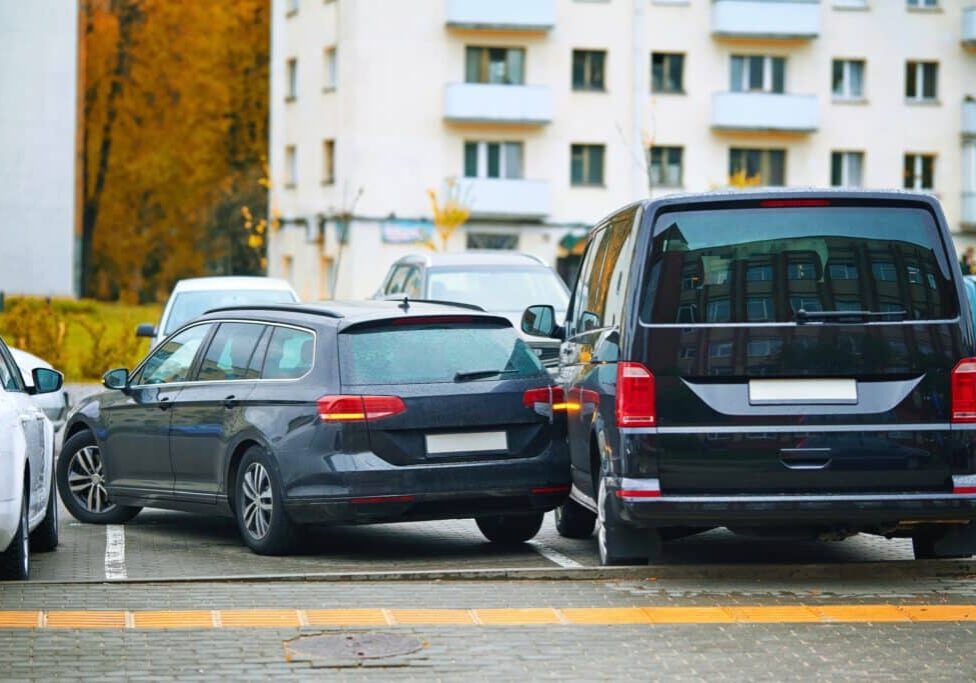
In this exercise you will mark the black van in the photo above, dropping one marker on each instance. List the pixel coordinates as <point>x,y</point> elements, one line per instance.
<point>792,363</point>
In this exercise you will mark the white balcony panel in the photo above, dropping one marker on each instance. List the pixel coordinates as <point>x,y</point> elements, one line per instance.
<point>507,197</point>
<point>765,111</point>
<point>969,209</point>
<point>502,15</point>
<point>969,26</point>
<point>783,19</point>
<point>489,103</point>
<point>969,117</point>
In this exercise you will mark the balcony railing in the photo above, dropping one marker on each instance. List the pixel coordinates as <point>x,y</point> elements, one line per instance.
<point>765,112</point>
<point>490,103</point>
<point>969,26</point>
<point>507,197</point>
<point>777,19</point>
<point>502,15</point>
<point>969,117</point>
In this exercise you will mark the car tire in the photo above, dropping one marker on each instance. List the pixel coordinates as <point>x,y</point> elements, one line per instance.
<point>573,520</point>
<point>259,505</point>
<point>621,544</point>
<point>44,539</point>
<point>80,477</point>
<point>15,560</point>
<point>945,542</point>
<point>510,529</point>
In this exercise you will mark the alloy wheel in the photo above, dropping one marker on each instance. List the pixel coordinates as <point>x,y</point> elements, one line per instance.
<point>258,501</point>
<point>86,478</point>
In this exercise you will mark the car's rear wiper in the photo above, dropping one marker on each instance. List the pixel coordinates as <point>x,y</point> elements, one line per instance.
<point>480,374</point>
<point>804,316</point>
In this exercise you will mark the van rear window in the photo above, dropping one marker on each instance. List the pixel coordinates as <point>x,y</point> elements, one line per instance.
<point>436,352</point>
<point>765,265</point>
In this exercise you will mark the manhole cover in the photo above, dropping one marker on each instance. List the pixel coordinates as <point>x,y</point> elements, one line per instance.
<point>349,649</point>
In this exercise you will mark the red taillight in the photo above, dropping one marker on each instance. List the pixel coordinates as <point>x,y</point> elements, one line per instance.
<point>963,401</point>
<point>433,320</point>
<point>637,493</point>
<point>964,490</point>
<point>636,406</point>
<point>789,203</point>
<point>545,399</point>
<point>359,408</point>
<point>547,490</point>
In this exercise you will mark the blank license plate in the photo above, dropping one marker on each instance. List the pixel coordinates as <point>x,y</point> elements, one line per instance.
<point>800,391</point>
<point>469,442</point>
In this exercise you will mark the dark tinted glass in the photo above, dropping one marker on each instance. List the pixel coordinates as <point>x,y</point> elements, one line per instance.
<point>290,353</point>
<point>763,265</point>
<point>229,354</point>
<point>416,354</point>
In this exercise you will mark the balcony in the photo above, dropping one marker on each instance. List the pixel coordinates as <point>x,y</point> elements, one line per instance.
<point>969,27</point>
<point>969,117</point>
<point>776,19</point>
<point>490,103</point>
<point>502,15</point>
<point>757,111</point>
<point>968,216</point>
<point>507,197</point>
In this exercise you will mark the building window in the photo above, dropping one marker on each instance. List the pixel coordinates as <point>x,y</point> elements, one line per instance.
<point>665,166</point>
<point>328,162</point>
<point>291,166</point>
<point>919,171</point>
<point>329,69</point>
<point>492,240</point>
<point>845,169</point>
<point>769,165</point>
<point>667,72</point>
<point>586,164</point>
<point>923,3</point>
<point>499,65</point>
<point>921,80</point>
<point>758,73</point>
<point>848,79</point>
<point>292,79</point>
<point>493,159</point>
<point>293,7</point>
<point>851,4</point>
<point>588,66</point>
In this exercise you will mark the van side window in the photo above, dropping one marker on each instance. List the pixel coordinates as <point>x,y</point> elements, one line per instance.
<point>581,297</point>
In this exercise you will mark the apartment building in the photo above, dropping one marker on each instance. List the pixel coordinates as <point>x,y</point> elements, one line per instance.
<point>544,115</point>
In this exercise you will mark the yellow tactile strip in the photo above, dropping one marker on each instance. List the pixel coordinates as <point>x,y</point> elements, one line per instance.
<point>530,616</point>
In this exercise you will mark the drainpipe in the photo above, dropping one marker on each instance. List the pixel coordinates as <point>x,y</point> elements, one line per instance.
<point>641,60</point>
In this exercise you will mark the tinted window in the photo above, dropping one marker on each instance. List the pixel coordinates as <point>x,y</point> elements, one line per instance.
<point>173,360</point>
<point>290,353</point>
<point>9,373</point>
<point>189,305</point>
<point>436,352</point>
<point>764,265</point>
<point>229,354</point>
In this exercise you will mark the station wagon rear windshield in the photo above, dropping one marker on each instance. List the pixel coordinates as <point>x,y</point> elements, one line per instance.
<point>397,353</point>
<point>765,265</point>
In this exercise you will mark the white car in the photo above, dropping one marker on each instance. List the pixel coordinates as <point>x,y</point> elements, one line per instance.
<point>28,504</point>
<point>196,296</point>
<point>55,403</point>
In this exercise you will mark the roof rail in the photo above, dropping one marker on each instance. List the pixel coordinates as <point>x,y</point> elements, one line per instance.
<point>436,302</point>
<point>313,310</point>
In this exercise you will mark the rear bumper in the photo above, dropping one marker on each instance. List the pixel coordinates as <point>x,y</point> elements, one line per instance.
<point>649,507</point>
<point>362,488</point>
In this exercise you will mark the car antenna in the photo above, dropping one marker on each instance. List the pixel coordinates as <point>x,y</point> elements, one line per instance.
<point>405,305</point>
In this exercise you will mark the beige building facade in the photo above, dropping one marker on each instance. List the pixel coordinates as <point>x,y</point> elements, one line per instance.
<point>544,115</point>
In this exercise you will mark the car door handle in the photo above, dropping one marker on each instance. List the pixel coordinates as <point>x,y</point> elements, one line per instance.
<point>230,401</point>
<point>164,403</point>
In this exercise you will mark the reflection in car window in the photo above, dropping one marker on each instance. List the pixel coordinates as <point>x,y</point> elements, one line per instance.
<point>289,355</point>
<point>9,375</point>
<point>497,289</point>
<point>188,305</point>
<point>173,360</point>
<point>229,354</point>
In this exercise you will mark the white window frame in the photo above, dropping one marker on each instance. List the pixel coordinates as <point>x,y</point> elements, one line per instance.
<point>969,166</point>
<point>917,173</point>
<point>767,84</point>
<point>918,95</point>
<point>291,166</point>
<point>922,4</point>
<point>846,158</point>
<point>482,163</point>
<point>330,69</point>
<point>291,79</point>
<point>846,80</point>
<point>851,4</point>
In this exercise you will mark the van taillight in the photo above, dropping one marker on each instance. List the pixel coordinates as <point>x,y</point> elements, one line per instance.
<point>963,402</point>
<point>544,400</point>
<point>359,408</point>
<point>636,405</point>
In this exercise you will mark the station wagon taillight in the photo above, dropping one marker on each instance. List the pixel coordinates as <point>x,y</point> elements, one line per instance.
<point>636,404</point>
<point>545,400</point>
<point>963,402</point>
<point>359,408</point>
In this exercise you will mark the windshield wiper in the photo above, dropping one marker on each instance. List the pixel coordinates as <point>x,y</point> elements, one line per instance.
<point>480,374</point>
<point>804,316</point>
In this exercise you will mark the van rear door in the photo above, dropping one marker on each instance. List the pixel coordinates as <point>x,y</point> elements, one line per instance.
<point>802,346</point>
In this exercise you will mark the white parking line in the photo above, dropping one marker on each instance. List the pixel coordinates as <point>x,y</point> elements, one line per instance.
<point>555,556</point>
<point>115,552</point>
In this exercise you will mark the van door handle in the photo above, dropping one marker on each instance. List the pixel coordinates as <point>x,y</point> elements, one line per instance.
<point>230,401</point>
<point>805,458</point>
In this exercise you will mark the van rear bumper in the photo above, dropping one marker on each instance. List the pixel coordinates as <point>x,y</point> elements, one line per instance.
<point>641,503</point>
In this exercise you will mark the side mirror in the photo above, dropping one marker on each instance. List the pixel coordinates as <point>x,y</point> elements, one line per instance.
<point>540,321</point>
<point>116,379</point>
<point>146,330</point>
<point>46,381</point>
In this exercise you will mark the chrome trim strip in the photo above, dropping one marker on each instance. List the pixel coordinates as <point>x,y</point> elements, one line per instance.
<point>811,325</point>
<point>582,498</point>
<point>964,480</point>
<point>822,498</point>
<point>640,484</point>
<point>795,429</point>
